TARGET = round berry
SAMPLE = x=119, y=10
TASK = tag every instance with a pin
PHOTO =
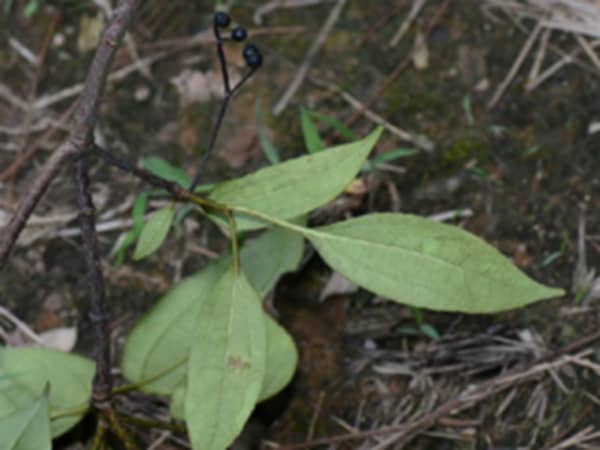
x=222, y=19
x=250, y=49
x=238, y=34
x=253, y=59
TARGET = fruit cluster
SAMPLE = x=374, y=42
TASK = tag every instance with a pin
x=251, y=53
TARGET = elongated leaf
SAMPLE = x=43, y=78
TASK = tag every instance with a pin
x=312, y=139
x=154, y=232
x=139, y=209
x=227, y=363
x=392, y=155
x=162, y=338
x=282, y=359
x=166, y=170
x=69, y=377
x=423, y=263
x=333, y=122
x=297, y=186
x=27, y=428
x=266, y=145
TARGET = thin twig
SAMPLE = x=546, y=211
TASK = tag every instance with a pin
x=13, y=169
x=102, y=388
x=22, y=326
x=414, y=11
x=229, y=93
x=84, y=123
x=435, y=20
x=466, y=400
x=420, y=141
x=309, y=58
x=516, y=65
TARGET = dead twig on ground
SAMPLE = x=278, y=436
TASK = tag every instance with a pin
x=309, y=58
x=85, y=118
x=516, y=65
x=416, y=7
x=274, y=5
x=435, y=20
x=402, y=434
x=420, y=141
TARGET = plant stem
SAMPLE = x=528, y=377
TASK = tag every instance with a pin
x=229, y=92
x=98, y=442
x=246, y=77
x=222, y=59
x=152, y=423
x=98, y=314
x=119, y=430
x=234, y=242
x=275, y=221
x=183, y=195
x=211, y=144
x=134, y=386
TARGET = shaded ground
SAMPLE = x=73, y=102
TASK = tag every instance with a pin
x=523, y=175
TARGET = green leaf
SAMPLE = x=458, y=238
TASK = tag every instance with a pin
x=27, y=428
x=429, y=331
x=162, y=338
x=69, y=377
x=266, y=145
x=392, y=155
x=31, y=8
x=466, y=103
x=177, y=406
x=154, y=232
x=8, y=6
x=423, y=263
x=333, y=122
x=282, y=359
x=163, y=169
x=266, y=258
x=295, y=187
x=137, y=213
x=312, y=139
x=227, y=363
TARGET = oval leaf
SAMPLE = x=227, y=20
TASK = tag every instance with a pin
x=27, y=371
x=297, y=186
x=423, y=263
x=161, y=340
x=282, y=359
x=280, y=366
x=27, y=428
x=274, y=253
x=154, y=233
x=227, y=363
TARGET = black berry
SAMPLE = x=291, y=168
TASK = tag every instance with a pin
x=253, y=58
x=222, y=19
x=250, y=49
x=238, y=34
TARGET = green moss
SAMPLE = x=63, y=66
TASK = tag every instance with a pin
x=459, y=153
